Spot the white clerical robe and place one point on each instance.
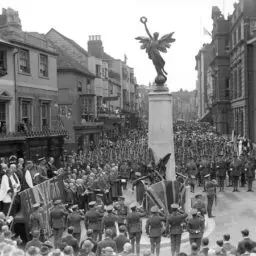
(5, 187)
(28, 178)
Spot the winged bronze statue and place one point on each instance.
(153, 46)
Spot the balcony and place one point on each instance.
(24, 131)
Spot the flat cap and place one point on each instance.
(92, 203)
(174, 206)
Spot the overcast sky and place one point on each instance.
(117, 21)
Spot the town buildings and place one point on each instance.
(232, 68)
(30, 125)
(96, 91)
(203, 59)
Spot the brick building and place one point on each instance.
(30, 83)
(219, 74)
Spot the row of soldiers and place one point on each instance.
(100, 218)
(223, 169)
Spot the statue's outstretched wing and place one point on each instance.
(165, 42)
(163, 161)
(152, 158)
(145, 42)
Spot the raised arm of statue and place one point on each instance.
(144, 20)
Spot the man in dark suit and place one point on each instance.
(74, 219)
(240, 246)
(70, 240)
(57, 221)
(107, 242)
(91, 220)
(134, 227)
(174, 222)
(195, 227)
(154, 227)
(121, 239)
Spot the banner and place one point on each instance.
(164, 193)
(45, 194)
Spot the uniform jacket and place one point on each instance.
(195, 227)
(122, 211)
(92, 220)
(175, 220)
(120, 242)
(210, 188)
(57, 217)
(133, 222)
(36, 221)
(109, 222)
(74, 220)
(221, 169)
(107, 242)
(71, 241)
(154, 226)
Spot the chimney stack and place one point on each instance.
(95, 46)
(10, 18)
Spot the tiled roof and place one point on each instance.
(65, 62)
(74, 44)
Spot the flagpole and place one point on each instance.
(201, 31)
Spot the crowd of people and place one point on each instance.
(94, 183)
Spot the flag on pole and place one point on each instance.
(206, 32)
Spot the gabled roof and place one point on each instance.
(66, 62)
(74, 44)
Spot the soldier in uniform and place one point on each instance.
(121, 210)
(57, 221)
(242, 161)
(250, 174)
(221, 173)
(100, 207)
(74, 220)
(174, 224)
(109, 220)
(154, 228)
(195, 228)
(134, 226)
(211, 194)
(199, 205)
(36, 220)
(235, 173)
(91, 220)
